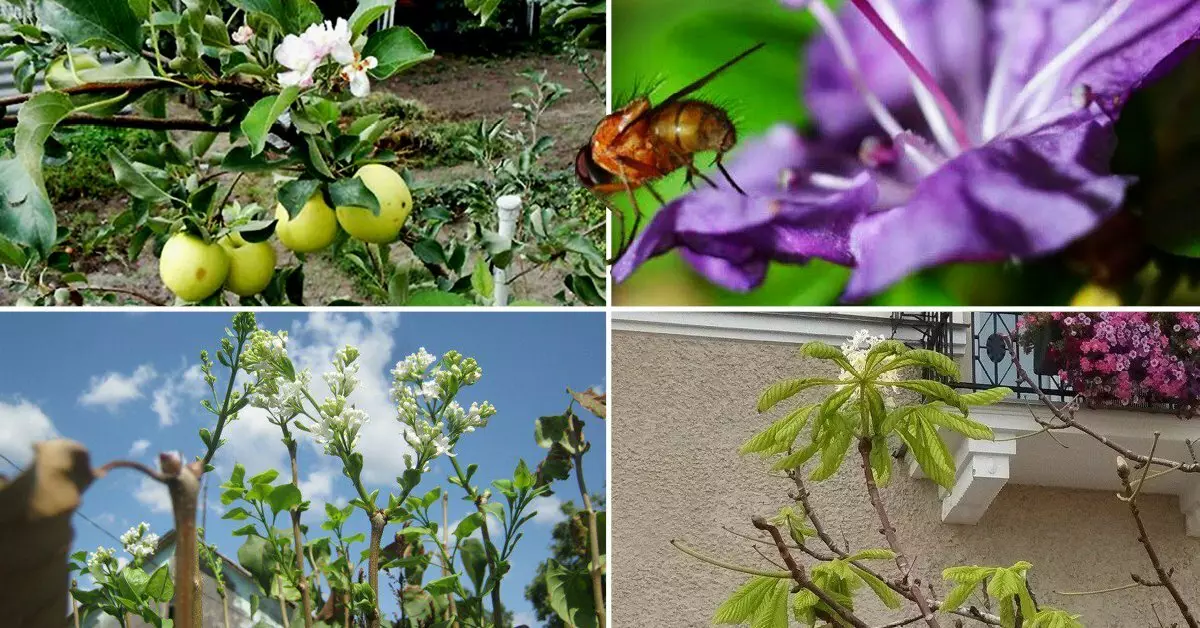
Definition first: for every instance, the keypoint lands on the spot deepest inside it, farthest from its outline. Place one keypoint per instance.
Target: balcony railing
(990, 363)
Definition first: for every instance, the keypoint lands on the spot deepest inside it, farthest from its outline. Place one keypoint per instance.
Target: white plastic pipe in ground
(508, 208)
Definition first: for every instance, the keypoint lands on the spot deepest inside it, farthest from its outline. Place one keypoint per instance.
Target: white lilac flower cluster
(101, 559)
(139, 542)
(340, 423)
(856, 349)
(304, 54)
(424, 398)
(282, 397)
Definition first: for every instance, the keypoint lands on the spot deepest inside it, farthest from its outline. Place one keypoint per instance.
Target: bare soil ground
(453, 88)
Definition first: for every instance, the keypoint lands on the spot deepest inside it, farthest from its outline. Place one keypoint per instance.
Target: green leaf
(135, 181)
(266, 477)
(881, 461)
(442, 586)
(236, 514)
(958, 596)
(26, 216)
(474, 559)
(986, 397)
(872, 554)
(482, 281)
(833, 453)
(935, 391)
(264, 114)
(294, 195)
(468, 525)
(885, 594)
(741, 606)
(292, 16)
(1053, 618)
(804, 606)
(780, 391)
(136, 579)
(437, 298)
(930, 452)
(161, 587)
(773, 613)
(353, 192)
(941, 364)
(367, 12)
(955, 422)
(779, 436)
(522, 478)
(798, 458)
(284, 497)
(570, 593)
(396, 49)
(821, 351)
(88, 23)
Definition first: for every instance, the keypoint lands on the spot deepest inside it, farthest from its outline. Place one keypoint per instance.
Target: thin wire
(77, 512)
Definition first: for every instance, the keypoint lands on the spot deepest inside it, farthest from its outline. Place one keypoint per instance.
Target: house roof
(168, 539)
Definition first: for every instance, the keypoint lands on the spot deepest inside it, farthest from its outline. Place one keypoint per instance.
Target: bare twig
(378, 522)
(1066, 414)
(1164, 575)
(298, 542)
(889, 533)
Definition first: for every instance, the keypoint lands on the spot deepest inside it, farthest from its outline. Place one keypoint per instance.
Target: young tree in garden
(821, 578)
(264, 77)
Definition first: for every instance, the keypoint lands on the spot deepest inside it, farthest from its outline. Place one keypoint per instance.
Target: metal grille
(992, 365)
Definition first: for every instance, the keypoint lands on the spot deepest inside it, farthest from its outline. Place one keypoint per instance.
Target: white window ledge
(985, 467)
(783, 327)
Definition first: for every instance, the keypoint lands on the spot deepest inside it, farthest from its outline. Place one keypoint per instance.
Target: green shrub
(87, 173)
(385, 103)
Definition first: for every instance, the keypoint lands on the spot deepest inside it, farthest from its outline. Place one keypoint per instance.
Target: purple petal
(1134, 48)
(741, 277)
(657, 238)
(1015, 197)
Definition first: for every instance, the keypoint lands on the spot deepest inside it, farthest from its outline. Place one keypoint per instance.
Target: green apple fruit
(192, 268)
(251, 265)
(59, 76)
(395, 204)
(313, 229)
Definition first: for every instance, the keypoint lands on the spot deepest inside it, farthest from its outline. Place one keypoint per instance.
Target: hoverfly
(640, 142)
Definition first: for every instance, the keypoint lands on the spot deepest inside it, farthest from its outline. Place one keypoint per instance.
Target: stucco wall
(683, 405)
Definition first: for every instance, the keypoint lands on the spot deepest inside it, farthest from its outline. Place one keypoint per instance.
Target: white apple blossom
(300, 56)
(244, 34)
(356, 75)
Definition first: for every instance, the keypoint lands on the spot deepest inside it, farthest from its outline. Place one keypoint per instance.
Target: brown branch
(378, 522)
(128, 122)
(1164, 575)
(597, 570)
(141, 85)
(302, 580)
(889, 533)
(801, 577)
(1067, 416)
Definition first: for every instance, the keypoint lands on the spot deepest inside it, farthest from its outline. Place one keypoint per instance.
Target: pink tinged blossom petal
(297, 53)
(244, 34)
(1015, 197)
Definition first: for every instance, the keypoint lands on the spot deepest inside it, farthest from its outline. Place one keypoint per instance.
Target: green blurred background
(677, 41)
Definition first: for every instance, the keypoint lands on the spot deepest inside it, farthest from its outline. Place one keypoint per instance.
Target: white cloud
(21, 425)
(524, 619)
(549, 510)
(139, 447)
(179, 388)
(318, 489)
(113, 389)
(107, 518)
(153, 494)
(312, 344)
(253, 441)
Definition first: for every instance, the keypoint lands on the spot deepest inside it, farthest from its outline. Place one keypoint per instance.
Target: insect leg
(721, 167)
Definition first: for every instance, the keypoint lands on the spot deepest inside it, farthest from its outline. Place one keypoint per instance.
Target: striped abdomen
(693, 126)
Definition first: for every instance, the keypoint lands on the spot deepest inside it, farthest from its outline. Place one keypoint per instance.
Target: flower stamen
(920, 73)
(1046, 78)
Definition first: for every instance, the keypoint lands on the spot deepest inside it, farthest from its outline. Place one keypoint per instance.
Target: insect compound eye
(588, 171)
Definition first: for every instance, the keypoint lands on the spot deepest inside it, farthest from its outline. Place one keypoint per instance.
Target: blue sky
(127, 385)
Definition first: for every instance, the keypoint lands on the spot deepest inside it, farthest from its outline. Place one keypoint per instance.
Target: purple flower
(791, 211)
(984, 126)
